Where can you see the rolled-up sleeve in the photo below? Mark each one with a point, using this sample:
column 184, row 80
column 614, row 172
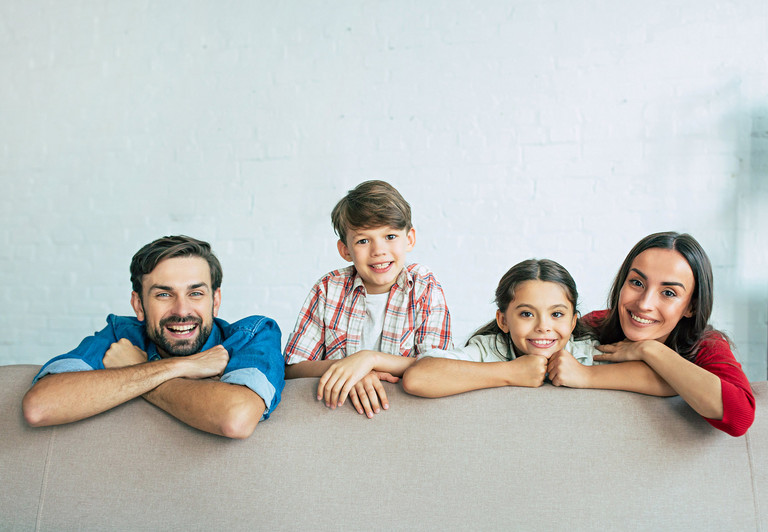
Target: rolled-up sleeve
column 255, row 359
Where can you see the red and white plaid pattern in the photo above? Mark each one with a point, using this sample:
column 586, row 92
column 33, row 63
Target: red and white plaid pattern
column 331, row 321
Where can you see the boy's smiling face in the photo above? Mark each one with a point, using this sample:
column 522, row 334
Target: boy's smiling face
column 378, row 254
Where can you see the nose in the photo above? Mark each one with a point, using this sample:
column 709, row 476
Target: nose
column 543, row 324
column 181, row 307
column 377, row 247
column 646, row 301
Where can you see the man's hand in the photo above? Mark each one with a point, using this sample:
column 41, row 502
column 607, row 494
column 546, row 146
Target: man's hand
column 210, row 363
column 123, row 353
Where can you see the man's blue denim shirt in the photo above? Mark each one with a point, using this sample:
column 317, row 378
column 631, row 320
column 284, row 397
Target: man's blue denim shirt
column 253, row 344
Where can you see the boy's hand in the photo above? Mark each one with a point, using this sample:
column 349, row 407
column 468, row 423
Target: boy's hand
column 338, row 380
column 368, row 396
column 123, row 353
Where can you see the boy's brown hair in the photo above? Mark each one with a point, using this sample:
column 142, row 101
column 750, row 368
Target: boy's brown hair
column 371, row 204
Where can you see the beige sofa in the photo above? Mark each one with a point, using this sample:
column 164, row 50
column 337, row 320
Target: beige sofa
column 513, row 458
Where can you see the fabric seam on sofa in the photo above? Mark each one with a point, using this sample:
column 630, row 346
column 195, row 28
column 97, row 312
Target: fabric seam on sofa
column 44, row 483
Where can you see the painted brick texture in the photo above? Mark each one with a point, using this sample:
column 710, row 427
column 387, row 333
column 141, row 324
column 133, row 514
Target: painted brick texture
column 557, row 129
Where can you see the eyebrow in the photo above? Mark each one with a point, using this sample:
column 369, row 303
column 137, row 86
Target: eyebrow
column 665, row 283
column 164, row 288
column 559, row 305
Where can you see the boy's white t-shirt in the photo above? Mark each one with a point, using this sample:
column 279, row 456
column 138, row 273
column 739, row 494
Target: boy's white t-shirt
column 375, row 308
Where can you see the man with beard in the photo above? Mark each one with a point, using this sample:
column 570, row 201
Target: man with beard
column 218, row 377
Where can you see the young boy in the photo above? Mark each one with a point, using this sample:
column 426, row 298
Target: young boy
column 369, row 321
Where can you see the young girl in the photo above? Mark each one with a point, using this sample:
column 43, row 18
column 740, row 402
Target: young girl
column 535, row 318
column 657, row 329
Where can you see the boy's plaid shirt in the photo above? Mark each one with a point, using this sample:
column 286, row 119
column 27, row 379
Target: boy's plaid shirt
column 331, row 321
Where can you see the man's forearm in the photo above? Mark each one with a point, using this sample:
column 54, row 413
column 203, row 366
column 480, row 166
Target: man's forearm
column 66, row 397
column 221, row 408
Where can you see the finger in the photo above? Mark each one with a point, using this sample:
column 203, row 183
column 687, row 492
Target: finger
column 372, row 395
column 336, row 391
column 328, row 390
column 345, row 391
column 355, row 400
column 385, row 376
column 321, row 386
column 364, row 399
column 381, row 393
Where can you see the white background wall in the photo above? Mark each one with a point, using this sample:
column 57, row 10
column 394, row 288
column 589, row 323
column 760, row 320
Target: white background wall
column 554, row 128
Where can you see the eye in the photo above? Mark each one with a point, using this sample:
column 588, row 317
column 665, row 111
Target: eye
column 162, row 294
column 635, row 282
column 669, row 293
column 391, row 237
column 557, row 314
column 362, row 241
column 526, row 314
column 197, row 294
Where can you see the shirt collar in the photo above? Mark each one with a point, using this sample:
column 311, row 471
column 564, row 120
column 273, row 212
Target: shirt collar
column 404, row 280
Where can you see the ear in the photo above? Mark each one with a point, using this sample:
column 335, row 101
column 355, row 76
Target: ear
column 216, row 302
column 411, row 236
column 137, row 305
column 344, row 251
column 690, row 311
column 575, row 319
column 501, row 321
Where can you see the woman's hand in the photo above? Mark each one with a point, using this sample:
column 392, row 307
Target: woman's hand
column 565, row 370
column 624, row 351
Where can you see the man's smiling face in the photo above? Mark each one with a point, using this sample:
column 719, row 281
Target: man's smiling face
column 178, row 305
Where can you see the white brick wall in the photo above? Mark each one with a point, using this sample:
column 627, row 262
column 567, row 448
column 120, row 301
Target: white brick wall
column 552, row 128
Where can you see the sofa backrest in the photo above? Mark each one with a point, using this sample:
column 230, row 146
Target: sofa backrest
column 534, row 459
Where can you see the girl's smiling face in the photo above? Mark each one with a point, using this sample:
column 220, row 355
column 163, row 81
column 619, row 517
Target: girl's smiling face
column 656, row 295
column 540, row 318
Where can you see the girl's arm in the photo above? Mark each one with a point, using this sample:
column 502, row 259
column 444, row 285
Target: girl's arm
column 438, row 377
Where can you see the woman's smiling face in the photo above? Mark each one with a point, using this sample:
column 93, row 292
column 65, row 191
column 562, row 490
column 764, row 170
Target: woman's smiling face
column 656, row 295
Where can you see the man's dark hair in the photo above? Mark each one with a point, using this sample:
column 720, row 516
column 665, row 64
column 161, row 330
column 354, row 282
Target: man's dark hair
column 147, row 258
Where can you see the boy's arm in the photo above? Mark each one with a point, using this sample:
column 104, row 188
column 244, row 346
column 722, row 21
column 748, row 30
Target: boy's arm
column 308, row 368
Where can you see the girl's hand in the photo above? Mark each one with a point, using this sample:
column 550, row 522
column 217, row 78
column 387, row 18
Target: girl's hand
column 530, row 370
column 565, row 370
column 623, row 351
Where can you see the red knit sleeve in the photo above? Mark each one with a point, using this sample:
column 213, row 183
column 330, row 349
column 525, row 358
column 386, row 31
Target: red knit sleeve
column 738, row 400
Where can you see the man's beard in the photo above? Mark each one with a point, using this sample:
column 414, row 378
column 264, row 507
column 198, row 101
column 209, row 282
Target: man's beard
column 179, row 347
